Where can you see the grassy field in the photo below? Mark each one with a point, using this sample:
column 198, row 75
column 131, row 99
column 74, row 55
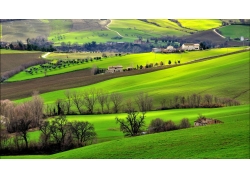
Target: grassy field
column 126, row 61
column 236, row 31
column 168, row 24
column 9, row 51
column 132, row 29
column 200, row 24
column 11, row 59
column 216, row 141
column 223, row 77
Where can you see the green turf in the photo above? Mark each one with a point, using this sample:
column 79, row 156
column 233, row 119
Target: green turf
column 168, row 24
column 132, row 29
column 9, row 51
column 200, row 24
column 81, row 37
column 127, row 61
column 236, row 31
column 222, row 77
column 229, row 140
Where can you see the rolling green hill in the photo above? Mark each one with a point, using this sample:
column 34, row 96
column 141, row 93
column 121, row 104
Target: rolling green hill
column 127, row 61
column 229, row 140
column 236, row 31
column 223, row 77
column 200, row 24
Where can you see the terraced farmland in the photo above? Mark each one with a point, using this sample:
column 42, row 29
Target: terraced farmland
column 215, row 141
column 127, row 61
column 200, row 24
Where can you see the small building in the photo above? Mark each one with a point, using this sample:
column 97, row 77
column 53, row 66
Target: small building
column 206, row 121
column 113, row 69
column 156, row 50
column 139, row 41
column 190, row 46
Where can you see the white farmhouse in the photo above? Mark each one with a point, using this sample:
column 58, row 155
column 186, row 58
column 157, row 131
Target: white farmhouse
column 156, row 50
column 190, row 46
column 113, row 69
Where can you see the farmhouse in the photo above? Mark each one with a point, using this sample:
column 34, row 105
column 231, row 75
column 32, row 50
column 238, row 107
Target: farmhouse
column 190, row 46
column 112, row 69
column 139, row 41
column 156, row 50
column 205, row 121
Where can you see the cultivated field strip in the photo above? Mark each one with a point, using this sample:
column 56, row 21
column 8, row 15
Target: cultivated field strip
column 72, row 80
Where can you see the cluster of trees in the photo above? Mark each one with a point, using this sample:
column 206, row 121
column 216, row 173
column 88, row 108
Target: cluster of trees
column 56, row 135
column 34, row 44
column 92, row 101
column 134, row 124
column 197, row 101
column 6, row 75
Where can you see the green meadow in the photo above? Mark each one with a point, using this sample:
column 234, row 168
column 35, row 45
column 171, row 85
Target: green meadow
column 168, row 24
column 229, row 140
column 9, row 51
column 132, row 29
column 222, row 77
column 131, row 60
column 200, row 24
column 236, row 31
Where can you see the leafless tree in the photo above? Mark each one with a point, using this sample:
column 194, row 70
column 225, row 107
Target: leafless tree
column 83, row 132
column 185, row 123
column 90, row 97
column 129, row 106
column 59, row 129
column 144, row 102
column 77, row 98
column 36, row 107
column 163, row 103
column 133, row 124
column 156, row 125
column 68, row 101
column 45, row 136
column 116, row 99
column 102, row 98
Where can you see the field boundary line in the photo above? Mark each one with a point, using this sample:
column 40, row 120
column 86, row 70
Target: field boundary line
column 219, row 34
column 113, row 30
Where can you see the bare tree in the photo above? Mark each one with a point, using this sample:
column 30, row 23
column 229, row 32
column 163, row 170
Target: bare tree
column 133, row 125
column 68, row 101
column 46, row 134
column 90, row 98
column 59, row 129
column 83, row 132
column 36, row 108
column 116, row 99
column 144, row 102
column 77, row 98
column 102, row 98
column 163, row 103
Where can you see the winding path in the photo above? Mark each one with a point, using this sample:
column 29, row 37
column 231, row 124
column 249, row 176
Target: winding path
column 113, row 30
column 45, row 55
column 218, row 34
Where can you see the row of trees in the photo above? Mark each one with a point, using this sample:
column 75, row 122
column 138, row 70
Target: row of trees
column 91, row 101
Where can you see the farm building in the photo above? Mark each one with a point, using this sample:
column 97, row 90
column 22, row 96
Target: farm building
column 139, row 41
column 112, row 69
column 190, row 46
column 205, row 121
column 156, row 50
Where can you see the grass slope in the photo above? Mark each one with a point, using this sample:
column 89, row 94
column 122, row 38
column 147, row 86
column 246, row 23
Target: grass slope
column 9, row 51
column 200, row 24
column 228, row 140
column 168, row 24
column 132, row 29
column 223, row 77
column 236, row 31
column 129, row 60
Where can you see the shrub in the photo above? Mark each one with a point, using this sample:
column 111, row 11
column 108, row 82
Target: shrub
column 185, row 123
column 156, row 125
column 170, row 125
